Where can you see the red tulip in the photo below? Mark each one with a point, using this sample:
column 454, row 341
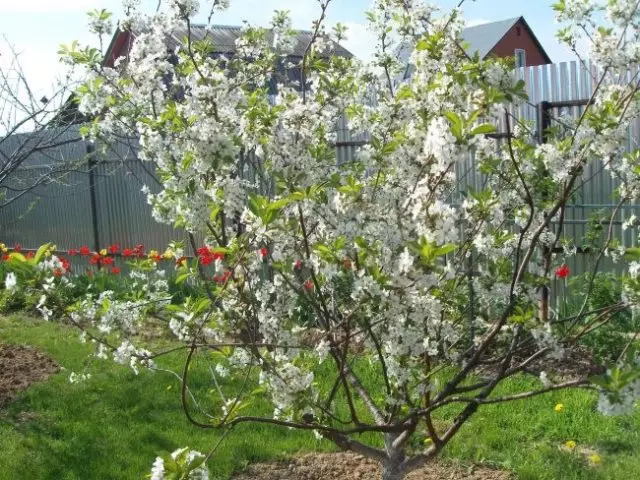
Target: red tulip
column 562, row 271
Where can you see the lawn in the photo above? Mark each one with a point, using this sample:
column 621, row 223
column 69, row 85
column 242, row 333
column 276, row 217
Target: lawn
column 112, row 426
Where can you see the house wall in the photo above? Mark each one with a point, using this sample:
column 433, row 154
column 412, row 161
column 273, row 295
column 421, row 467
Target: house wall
column 119, row 48
column 511, row 41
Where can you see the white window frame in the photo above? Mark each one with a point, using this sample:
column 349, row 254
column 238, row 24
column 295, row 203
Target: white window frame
column 523, row 52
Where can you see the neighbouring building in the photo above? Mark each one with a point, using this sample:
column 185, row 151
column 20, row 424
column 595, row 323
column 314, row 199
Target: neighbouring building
column 511, row 38
column 506, row 38
column 223, row 41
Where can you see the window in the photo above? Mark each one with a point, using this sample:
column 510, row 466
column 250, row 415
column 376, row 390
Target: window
column 518, row 31
column 521, row 58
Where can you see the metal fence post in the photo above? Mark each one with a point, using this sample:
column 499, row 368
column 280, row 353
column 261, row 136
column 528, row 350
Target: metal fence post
column 543, row 114
column 543, row 121
column 91, row 163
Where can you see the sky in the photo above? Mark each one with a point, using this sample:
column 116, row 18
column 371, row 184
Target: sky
column 36, row 28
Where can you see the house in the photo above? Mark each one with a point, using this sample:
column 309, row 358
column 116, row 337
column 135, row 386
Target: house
column 223, row 40
column 503, row 39
column 506, row 38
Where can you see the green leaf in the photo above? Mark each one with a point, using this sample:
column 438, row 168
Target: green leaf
column 443, row 250
column 17, row 257
column 483, row 129
column 40, row 253
column 632, row 253
column 457, row 124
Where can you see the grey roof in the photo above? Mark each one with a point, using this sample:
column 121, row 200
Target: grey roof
column 482, row 38
column 479, row 38
column 224, row 43
column 224, row 39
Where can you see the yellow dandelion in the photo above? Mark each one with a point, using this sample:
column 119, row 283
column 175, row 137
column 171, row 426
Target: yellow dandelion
column 570, row 444
column 559, row 408
column 594, row 459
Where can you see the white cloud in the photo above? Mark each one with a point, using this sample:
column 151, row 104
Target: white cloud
column 46, row 6
column 40, row 66
column 360, row 40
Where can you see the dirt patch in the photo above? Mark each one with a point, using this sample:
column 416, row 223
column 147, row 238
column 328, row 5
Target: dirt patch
column 21, row 366
column 577, row 364
column 338, row 466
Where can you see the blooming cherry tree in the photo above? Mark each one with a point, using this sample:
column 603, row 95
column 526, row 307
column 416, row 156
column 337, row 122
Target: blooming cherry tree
column 377, row 259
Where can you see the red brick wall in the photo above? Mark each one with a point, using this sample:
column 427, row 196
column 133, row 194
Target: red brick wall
column 511, row 41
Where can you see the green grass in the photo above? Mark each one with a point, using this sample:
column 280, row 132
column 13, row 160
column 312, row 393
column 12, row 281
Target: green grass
column 525, row 435
column 112, row 426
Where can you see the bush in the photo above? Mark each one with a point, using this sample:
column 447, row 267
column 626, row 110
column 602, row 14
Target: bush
column 12, row 301
column 606, row 342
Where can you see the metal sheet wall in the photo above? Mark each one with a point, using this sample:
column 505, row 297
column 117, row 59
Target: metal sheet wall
column 61, row 211
column 58, row 211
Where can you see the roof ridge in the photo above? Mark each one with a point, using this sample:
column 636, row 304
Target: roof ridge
column 484, row 37
column 513, row 20
column 237, row 27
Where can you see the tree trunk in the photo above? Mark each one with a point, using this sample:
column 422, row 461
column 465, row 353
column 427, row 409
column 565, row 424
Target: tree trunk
column 391, row 472
column 391, row 466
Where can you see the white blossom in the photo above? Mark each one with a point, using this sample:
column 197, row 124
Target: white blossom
column 10, row 281
column 158, row 471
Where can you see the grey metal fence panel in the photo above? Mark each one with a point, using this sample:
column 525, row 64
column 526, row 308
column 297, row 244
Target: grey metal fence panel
column 58, row 212
column 61, row 211
column 47, row 148
column 124, row 217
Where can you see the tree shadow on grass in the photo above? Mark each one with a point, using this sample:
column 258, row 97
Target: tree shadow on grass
column 616, row 446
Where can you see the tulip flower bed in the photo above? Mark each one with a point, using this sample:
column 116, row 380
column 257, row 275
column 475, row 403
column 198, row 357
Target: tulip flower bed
column 57, row 280
column 48, row 282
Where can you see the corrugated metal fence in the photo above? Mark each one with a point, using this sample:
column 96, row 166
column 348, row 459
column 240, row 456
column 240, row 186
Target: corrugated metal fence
column 61, row 211
column 565, row 87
